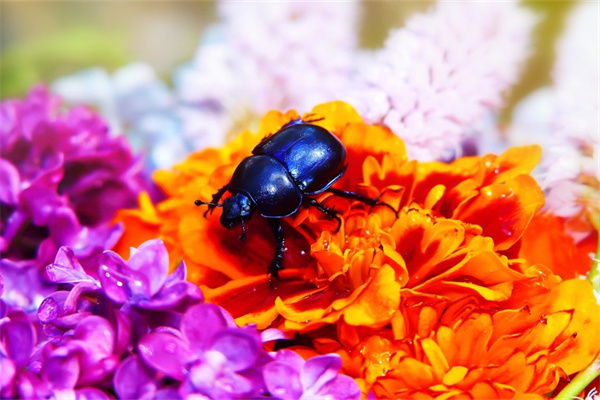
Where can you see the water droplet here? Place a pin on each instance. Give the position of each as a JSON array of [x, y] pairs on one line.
[[119, 283], [302, 253], [170, 347]]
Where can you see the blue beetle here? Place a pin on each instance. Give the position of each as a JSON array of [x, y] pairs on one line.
[[284, 170]]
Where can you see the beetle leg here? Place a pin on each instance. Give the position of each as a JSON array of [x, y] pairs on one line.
[[330, 212], [243, 235], [367, 200], [275, 266], [215, 199]]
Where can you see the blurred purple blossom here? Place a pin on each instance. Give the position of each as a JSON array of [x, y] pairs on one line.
[[141, 332], [62, 180], [437, 77]]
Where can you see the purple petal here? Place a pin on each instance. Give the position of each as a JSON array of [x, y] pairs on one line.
[[76, 293], [120, 282], [201, 322], [30, 386], [171, 296], [169, 393], [64, 226], [178, 275], [9, 371], [66, 323], [341, 388], [61, 370], [165, 353], [123, 325], [90, 393], [14, 225], [132, 381], [47, 208], [98, 335], [318, 371], [10, 183], [93, 241], [240, 347], [153, 259], [94, 340], [290, 358], [52, 307], [215, 383], [114, 284], [282, 380], [18, 337], [25, 288], [66, 268], [268, 335]]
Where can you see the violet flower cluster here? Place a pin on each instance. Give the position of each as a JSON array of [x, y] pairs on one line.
[[138, 332], [62, 179]]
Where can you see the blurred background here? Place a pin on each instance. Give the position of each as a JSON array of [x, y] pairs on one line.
[[42, 41]]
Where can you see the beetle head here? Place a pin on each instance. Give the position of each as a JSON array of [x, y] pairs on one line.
[[236, 209]]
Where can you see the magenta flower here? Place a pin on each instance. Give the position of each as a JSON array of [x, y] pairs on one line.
[[141, 332], [289, 377], [63, 177]]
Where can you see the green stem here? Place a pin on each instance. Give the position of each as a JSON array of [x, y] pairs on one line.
[[580, 382], [585, 377], [594, 275]]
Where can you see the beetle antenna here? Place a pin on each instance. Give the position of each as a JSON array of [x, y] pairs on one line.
[[243, 235], [201, 203]]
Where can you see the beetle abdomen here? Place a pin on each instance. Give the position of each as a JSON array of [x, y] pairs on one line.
[[266, 182], [313, 156]]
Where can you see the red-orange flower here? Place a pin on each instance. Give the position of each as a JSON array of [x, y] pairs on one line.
[[415, 304]]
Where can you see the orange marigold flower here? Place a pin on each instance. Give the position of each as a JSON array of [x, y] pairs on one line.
[[427, 304]]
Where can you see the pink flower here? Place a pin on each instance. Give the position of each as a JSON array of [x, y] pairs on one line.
[[264, 56], [442, 73], [572, 172]]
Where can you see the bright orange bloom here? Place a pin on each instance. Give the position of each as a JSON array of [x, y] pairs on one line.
[[434, 303]]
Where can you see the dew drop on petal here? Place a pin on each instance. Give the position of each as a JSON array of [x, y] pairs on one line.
[[170, 347]]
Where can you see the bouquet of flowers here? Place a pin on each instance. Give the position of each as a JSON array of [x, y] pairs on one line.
[[446, 257]]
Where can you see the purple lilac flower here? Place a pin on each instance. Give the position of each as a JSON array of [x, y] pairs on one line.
[[62, 180], [438, 76], [140, 332], [289, 377]]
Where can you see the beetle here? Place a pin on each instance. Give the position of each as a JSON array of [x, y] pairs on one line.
[[285, 170]]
